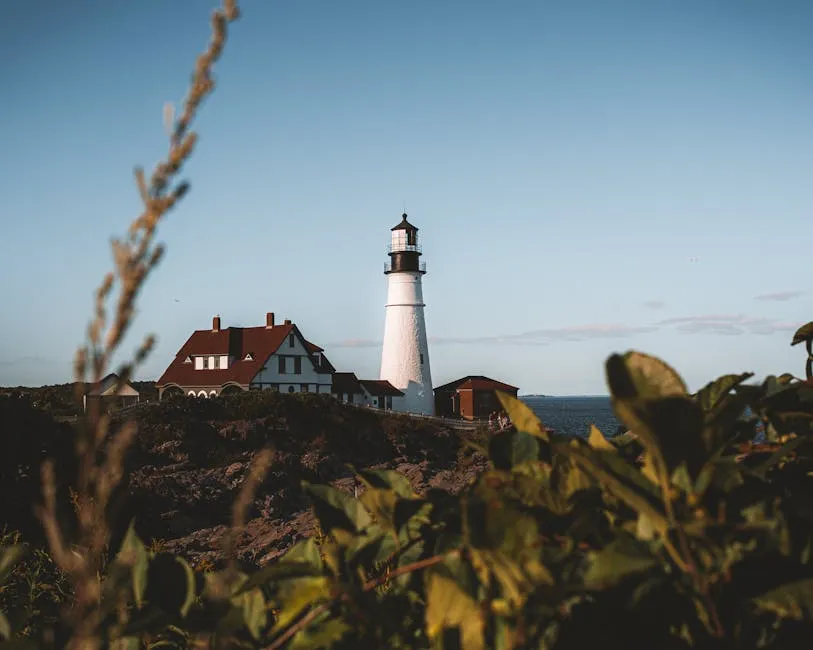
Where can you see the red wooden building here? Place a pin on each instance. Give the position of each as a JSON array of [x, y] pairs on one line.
[[471, 397]]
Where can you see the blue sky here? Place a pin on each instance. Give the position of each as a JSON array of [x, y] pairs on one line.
[[588, 177]]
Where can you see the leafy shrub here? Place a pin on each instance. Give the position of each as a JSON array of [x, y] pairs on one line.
[[684, 533]]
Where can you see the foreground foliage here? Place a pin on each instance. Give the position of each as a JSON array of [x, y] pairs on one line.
[[683, 534]]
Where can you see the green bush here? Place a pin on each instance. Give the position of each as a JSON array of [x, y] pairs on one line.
[[681, 534], [684, 533]]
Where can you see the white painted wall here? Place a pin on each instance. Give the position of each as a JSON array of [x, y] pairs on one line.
[[271, 375], [405, 353]]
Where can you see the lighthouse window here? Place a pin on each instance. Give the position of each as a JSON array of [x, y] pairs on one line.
[[421, 358]]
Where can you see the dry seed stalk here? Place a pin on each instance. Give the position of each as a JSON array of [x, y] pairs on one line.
[[134, 259]]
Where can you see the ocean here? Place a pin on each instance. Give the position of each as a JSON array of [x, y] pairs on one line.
[[574, 415]]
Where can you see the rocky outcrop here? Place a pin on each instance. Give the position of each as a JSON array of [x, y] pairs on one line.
[[186, 472]]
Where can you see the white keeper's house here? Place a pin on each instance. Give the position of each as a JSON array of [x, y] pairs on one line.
[[275, 356]]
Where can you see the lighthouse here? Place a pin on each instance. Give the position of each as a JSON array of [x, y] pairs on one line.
[[405, 355]]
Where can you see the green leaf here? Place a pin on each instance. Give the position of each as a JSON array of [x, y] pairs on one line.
[[305, 550], [804, 333], [170, 584], [508, 449], [569, 477], [388, 479], [786, 449], [319, 635], [10, 556], [254, 612], [281, 570], [639, 375], [338, 513], [622, 480], [712, 393], [296, 595], [5, 627], [134, 554], [619, 559], [793, 600], [381, 504], [597, 440], [671, 429], [522, 417], [449, 606]]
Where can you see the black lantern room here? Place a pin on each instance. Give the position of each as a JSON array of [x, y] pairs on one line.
[[405, 250]]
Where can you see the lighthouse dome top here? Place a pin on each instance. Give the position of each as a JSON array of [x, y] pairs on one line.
[[404, 225]]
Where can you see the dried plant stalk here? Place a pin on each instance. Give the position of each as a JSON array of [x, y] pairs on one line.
[[101, 451]]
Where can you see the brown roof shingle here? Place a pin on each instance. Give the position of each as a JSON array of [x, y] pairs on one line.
[[260, 342], [380, 387]]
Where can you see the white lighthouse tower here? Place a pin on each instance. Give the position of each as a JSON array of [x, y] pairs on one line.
[[405, 356]]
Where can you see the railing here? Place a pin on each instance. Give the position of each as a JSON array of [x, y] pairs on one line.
[[456, 423], [388, 268], [404, 248]]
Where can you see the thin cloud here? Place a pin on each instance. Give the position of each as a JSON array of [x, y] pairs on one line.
[[728, 324], [551, 335], [654, 304], [720, 324], [532, 337], [780, 295]]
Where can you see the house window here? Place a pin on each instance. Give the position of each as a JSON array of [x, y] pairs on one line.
[[198, 363], [303, 388], [188, 360], [421, 358], [282, 365], [297, 365], [291, 389], [214, 362], [291, 340]]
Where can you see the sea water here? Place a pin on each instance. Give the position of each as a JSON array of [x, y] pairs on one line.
[[574, 415]]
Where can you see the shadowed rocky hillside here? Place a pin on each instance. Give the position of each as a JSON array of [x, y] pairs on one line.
[[190, 457]]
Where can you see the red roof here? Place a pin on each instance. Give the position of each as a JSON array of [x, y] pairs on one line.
[[477, 382], [345, 382], [260, 342], [380, 387], [487, 384]]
